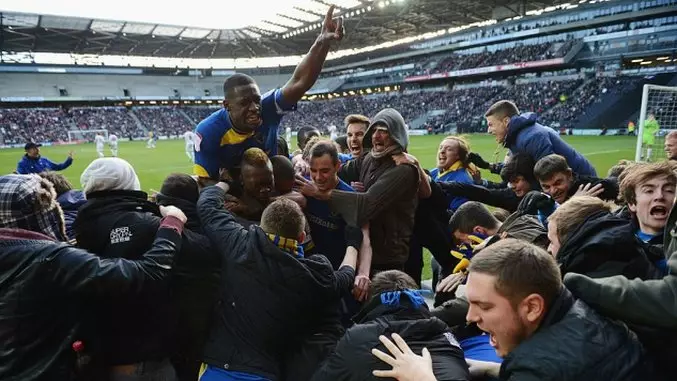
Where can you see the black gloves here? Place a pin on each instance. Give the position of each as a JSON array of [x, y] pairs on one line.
[[478, 161], [535, 201], [353, 236]]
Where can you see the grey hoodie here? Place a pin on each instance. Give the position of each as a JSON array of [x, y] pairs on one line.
[[394, 121], [391, 196]]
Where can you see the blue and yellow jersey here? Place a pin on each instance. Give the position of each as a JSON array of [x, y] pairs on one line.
[[456, 173], [218, 145]]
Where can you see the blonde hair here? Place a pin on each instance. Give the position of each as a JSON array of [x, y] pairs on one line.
[[639, 173], [463, 151], [574, 212]]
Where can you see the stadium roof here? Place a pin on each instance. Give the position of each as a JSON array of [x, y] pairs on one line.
[[282, 27]]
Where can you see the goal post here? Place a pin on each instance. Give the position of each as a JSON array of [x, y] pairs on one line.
[[657, 117], [75, 136]]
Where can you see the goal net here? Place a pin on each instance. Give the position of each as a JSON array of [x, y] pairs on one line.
[[657, 117], [85, 136]]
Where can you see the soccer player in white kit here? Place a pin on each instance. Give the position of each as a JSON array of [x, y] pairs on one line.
[[333, 133], [189, 137], [113, 144], [99, 141]]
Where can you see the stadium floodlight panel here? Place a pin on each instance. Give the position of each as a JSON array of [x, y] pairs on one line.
[[147, 12], [20, 20]]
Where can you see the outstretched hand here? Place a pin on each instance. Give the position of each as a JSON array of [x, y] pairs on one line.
[[309, 189], [407, 365], [332, 30], [589, 190], [172, 211]]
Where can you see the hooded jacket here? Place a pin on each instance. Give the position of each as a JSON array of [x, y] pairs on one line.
[[574, 343], [390, 198], [352, 360], [525, 135], [268, 297], [605, 245], [649, 303]]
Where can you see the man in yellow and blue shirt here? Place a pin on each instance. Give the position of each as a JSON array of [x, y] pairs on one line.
[[250, 120]]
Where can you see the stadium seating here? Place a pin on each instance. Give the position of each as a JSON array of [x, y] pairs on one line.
[[560, 101]]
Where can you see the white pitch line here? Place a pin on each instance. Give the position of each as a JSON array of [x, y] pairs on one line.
[[603, 152]]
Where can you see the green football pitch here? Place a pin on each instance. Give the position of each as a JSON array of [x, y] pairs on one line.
[[153, 165]]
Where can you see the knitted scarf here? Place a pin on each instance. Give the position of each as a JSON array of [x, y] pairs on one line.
[[288, 245]]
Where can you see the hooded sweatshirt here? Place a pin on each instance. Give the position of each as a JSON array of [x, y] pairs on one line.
[[525, 135], [390, 198]]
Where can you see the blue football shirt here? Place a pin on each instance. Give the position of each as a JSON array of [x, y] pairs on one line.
[[218, 145], [327, 229]]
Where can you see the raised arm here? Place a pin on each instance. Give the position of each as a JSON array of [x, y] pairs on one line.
[[309, 68], [362, 280], [501, 198], [60, 166], [225, 233], [359, 208], [76, 270]]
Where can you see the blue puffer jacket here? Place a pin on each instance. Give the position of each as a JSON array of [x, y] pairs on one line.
[[70, 201], [536, 140]]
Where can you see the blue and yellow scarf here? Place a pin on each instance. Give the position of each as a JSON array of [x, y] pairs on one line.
[[288, 245]]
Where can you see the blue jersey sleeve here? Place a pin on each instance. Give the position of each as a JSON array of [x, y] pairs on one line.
[[273, 106], [58, 166], [207, 143]]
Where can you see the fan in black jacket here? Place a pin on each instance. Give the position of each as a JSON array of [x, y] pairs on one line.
[[195, 279], [271, 294], [44, 282], [395, 307]]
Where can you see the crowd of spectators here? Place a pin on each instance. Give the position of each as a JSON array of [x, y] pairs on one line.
[[197, 113], [164, 121], [114, 119], [320, 114], [19, 125], [522, 53], [462, 107], [590, 93]]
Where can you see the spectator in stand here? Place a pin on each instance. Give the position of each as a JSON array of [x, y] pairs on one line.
[[395, 306], [521, 133], [516, 295], [32, 162], [69, 199], [671, 145], [44, 292], [559, 181]]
